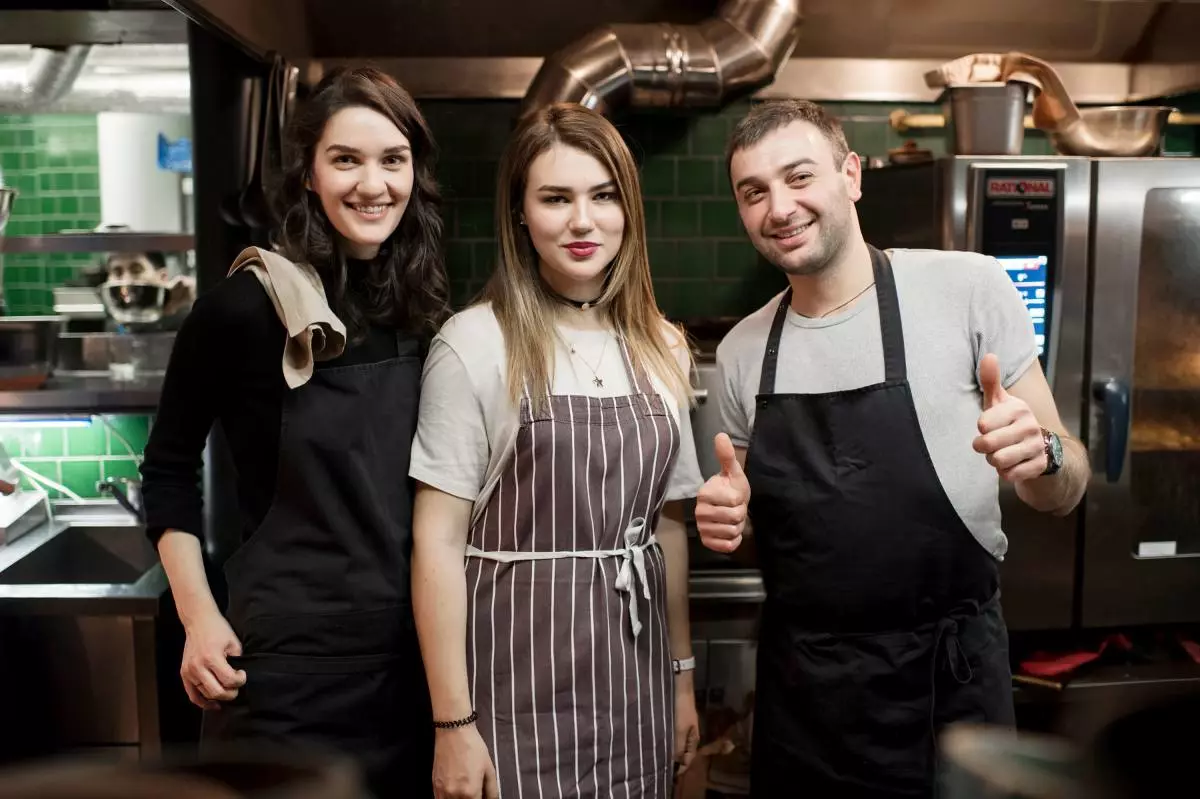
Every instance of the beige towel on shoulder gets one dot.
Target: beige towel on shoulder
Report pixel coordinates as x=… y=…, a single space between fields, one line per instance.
x=314 y=331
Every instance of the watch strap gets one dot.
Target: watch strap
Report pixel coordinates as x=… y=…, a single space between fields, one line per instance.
x=687 y=664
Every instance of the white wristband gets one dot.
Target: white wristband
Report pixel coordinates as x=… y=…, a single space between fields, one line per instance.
x=687 y=664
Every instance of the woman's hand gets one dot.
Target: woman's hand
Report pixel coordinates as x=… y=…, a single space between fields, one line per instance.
x=462 y=768
x=207 y=676
x=687 y=722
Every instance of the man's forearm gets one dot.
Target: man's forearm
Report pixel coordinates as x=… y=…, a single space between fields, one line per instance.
x=1060 y=493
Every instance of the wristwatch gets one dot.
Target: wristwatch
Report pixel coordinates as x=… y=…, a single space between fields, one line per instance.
x=1054 y=451
x=687 y=664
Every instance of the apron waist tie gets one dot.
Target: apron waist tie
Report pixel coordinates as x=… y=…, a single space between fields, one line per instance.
x=633 y=567
x=960 y=670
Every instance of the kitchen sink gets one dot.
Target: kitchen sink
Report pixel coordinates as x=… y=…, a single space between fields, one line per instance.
x=86 y=555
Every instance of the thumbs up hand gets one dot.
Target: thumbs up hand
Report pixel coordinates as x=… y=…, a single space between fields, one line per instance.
x=723 y=501
x=1009 y=434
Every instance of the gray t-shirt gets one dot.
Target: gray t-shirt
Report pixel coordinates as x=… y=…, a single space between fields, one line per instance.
x=955 y=307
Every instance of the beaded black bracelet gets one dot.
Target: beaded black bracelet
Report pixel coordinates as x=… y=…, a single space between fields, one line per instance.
x=450 y=725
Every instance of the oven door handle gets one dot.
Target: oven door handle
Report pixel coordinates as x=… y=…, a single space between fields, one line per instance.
x=1113 y=396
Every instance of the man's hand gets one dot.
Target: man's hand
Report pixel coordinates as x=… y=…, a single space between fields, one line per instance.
x=1009 y=434
x=722 y=503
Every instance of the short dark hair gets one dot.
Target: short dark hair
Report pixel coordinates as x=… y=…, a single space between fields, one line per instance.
x=769 y=116
x=407 y=284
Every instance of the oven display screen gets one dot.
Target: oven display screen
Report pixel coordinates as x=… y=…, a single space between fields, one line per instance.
x=1028 y=274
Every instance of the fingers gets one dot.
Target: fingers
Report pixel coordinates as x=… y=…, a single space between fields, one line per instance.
x=207 y=684
x=989 y=381
x=1009 y=458
x=720 y=514
x=687 y=753
x=225 y=673
x=1002 y=416
x=723 y=543
x=726 y=456
x=719 y=490
x=195 y=697
x=1008 y=436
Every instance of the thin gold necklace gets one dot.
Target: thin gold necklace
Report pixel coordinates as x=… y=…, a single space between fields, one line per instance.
x=843 y=305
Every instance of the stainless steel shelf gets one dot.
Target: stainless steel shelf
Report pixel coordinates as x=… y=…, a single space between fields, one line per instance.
x=98 y=242
x=73 y=395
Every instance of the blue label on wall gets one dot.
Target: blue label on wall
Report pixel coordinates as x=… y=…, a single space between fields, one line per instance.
x=175 y=156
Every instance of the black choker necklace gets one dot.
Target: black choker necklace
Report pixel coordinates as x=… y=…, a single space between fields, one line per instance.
x=582 y=305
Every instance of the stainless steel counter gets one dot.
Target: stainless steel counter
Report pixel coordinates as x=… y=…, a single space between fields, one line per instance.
x=68 y=395
x=91 y=560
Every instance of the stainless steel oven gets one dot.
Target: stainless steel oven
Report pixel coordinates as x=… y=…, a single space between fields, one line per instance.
x=1106 y=253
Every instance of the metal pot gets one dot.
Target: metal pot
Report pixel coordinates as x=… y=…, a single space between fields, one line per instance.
x=1130 y=131
x=28 y=349
x=986 y=118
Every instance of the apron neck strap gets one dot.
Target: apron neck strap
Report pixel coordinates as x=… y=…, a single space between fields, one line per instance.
x=890 y=328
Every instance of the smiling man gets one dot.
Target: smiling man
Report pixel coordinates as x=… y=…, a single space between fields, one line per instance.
x=870 y=408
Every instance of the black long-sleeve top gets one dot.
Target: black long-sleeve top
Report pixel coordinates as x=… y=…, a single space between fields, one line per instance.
x=226 y=366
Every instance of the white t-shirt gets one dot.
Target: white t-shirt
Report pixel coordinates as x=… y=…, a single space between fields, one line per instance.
x=955 y=308
x=468 y=422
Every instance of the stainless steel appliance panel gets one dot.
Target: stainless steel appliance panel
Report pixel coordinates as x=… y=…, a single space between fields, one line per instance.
x=1039 y=572
x=1142 y=533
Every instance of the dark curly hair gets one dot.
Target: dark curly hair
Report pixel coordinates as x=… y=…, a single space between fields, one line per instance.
x=406 y=287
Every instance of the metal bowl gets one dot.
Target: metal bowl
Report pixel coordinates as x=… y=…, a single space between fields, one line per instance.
x=1130 y=131
x=134 y=302
x=28 y=347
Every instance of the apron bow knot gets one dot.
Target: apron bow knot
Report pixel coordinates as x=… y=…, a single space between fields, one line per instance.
x=634 y=565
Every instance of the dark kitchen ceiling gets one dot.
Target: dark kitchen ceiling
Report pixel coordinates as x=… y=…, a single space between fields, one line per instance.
x=1059 y=30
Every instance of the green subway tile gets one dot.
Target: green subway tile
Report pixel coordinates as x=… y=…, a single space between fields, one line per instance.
x=484 y=260
x=736 y=258
x=10 y=161
x=697 y=298
x=663 y=261
x=475 y=218
x=87 y=181
x=680 y=218
x=709 y=135
x=135 y=430
x=45 y=182
x=81 y=477
x=86 y=440
x=666 y=295
x=697 y=259
x=720 y=218
x=68 y=205
x=119 y=467
x=17 y=298
x=26 y=184
x=29 y=161
x=90 y=205
x=696 y=177
x=653 y=217
x=48 y=205
x=25 y=138
x=47 y=469
x=8 y=138
x=658 y=177
x=64 y=181
x=45 y=442
x=458 y=258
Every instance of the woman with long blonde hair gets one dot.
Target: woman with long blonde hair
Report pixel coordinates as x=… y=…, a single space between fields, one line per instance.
x=552 y=456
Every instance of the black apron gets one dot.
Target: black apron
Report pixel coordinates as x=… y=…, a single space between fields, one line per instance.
x=319 y=594
x=882 y=621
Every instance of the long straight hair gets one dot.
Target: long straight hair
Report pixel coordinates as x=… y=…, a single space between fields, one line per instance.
x=523 y=306
x=407 y=287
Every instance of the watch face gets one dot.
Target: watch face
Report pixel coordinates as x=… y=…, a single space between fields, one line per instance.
x=1056 y=450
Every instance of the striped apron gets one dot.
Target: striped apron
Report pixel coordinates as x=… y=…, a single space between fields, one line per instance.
x=568 y=654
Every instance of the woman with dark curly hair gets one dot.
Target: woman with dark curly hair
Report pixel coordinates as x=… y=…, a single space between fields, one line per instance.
x=310 y=359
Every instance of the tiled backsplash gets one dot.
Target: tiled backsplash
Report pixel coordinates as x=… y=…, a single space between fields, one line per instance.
x=702 y=263
x=53 y=161
x=77 y=454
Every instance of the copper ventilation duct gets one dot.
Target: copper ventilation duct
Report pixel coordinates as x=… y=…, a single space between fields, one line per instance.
x=662 y=65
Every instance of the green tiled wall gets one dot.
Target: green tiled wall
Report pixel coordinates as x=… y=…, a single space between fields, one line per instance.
x=53 y=161
x=78 y=457
x=700 y=258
